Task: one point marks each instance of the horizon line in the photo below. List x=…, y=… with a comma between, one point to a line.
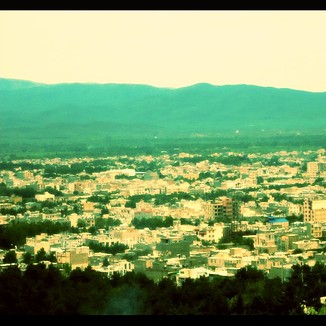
x=151, y=85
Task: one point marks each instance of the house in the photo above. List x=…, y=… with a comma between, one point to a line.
x=278, y=222
x=45, y=197
x=193, y=273
x=76, y=257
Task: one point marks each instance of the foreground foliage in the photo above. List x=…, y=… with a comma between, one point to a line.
x=42, y=290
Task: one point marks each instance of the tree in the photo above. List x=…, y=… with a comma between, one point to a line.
x=249, y=274
x=319, y=181
x=41, y=255
x=51, y=257
x=10, y=257
x=11, y=288
x=297, y=251
x=106, y=262
x=81, y=223
x=27, y=258
x=260, y=180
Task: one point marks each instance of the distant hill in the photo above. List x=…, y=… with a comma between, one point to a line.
x=10, y=84
x=100, y=112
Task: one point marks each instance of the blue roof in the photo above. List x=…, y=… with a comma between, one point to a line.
x=273, y=219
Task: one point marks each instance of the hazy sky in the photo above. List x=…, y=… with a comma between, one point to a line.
x=166, y=48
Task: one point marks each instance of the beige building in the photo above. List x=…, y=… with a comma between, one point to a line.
x=315, y=230
x=192, y=273
x=121, y=267
x=223, y=207
x=34, y=244
x=211, y=233
x=306, y=244
x=314, y=211
x=312, y=167
x=44, y=197
x=75, y=257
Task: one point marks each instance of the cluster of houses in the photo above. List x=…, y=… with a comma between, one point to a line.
x=182, y=250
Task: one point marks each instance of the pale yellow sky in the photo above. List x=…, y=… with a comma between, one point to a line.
x=166, y=48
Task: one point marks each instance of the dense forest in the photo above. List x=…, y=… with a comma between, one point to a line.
x=41, y=290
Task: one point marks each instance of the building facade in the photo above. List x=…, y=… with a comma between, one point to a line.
x=314, y=211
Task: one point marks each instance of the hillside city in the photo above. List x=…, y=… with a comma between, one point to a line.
x=174, y=215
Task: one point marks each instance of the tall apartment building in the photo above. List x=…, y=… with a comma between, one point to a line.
x=312, y=167
x=223, y=209
x=316, y=167
x=314, y=211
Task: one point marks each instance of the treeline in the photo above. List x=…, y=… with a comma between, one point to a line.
x=99, y=165
x=141, y=146
x=10, y=257
x=152, y=222
x=224, y=159
x=162, y=199
x=113, y=249
x=42, y=290
x=15, y=233
x=28, y=192
x=238, y=238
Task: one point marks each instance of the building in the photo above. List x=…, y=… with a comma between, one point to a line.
x=34, y=244
x=175, y=245
x=278, y=222
x=191, y=273
x=314, y=211
x=76, y=257
x=315, y=230
x=312, y=167
x=44, y=197
x=224, y=208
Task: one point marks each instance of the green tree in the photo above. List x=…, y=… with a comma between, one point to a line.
x=27, y=258
x=105, y=262
x=11, y=288
x=81, y=223
x=297, y=251
x=40, y=255
x=10, y=257
x=51, y=257
x=260, y=180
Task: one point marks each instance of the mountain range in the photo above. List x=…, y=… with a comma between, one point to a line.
x=95, y=113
